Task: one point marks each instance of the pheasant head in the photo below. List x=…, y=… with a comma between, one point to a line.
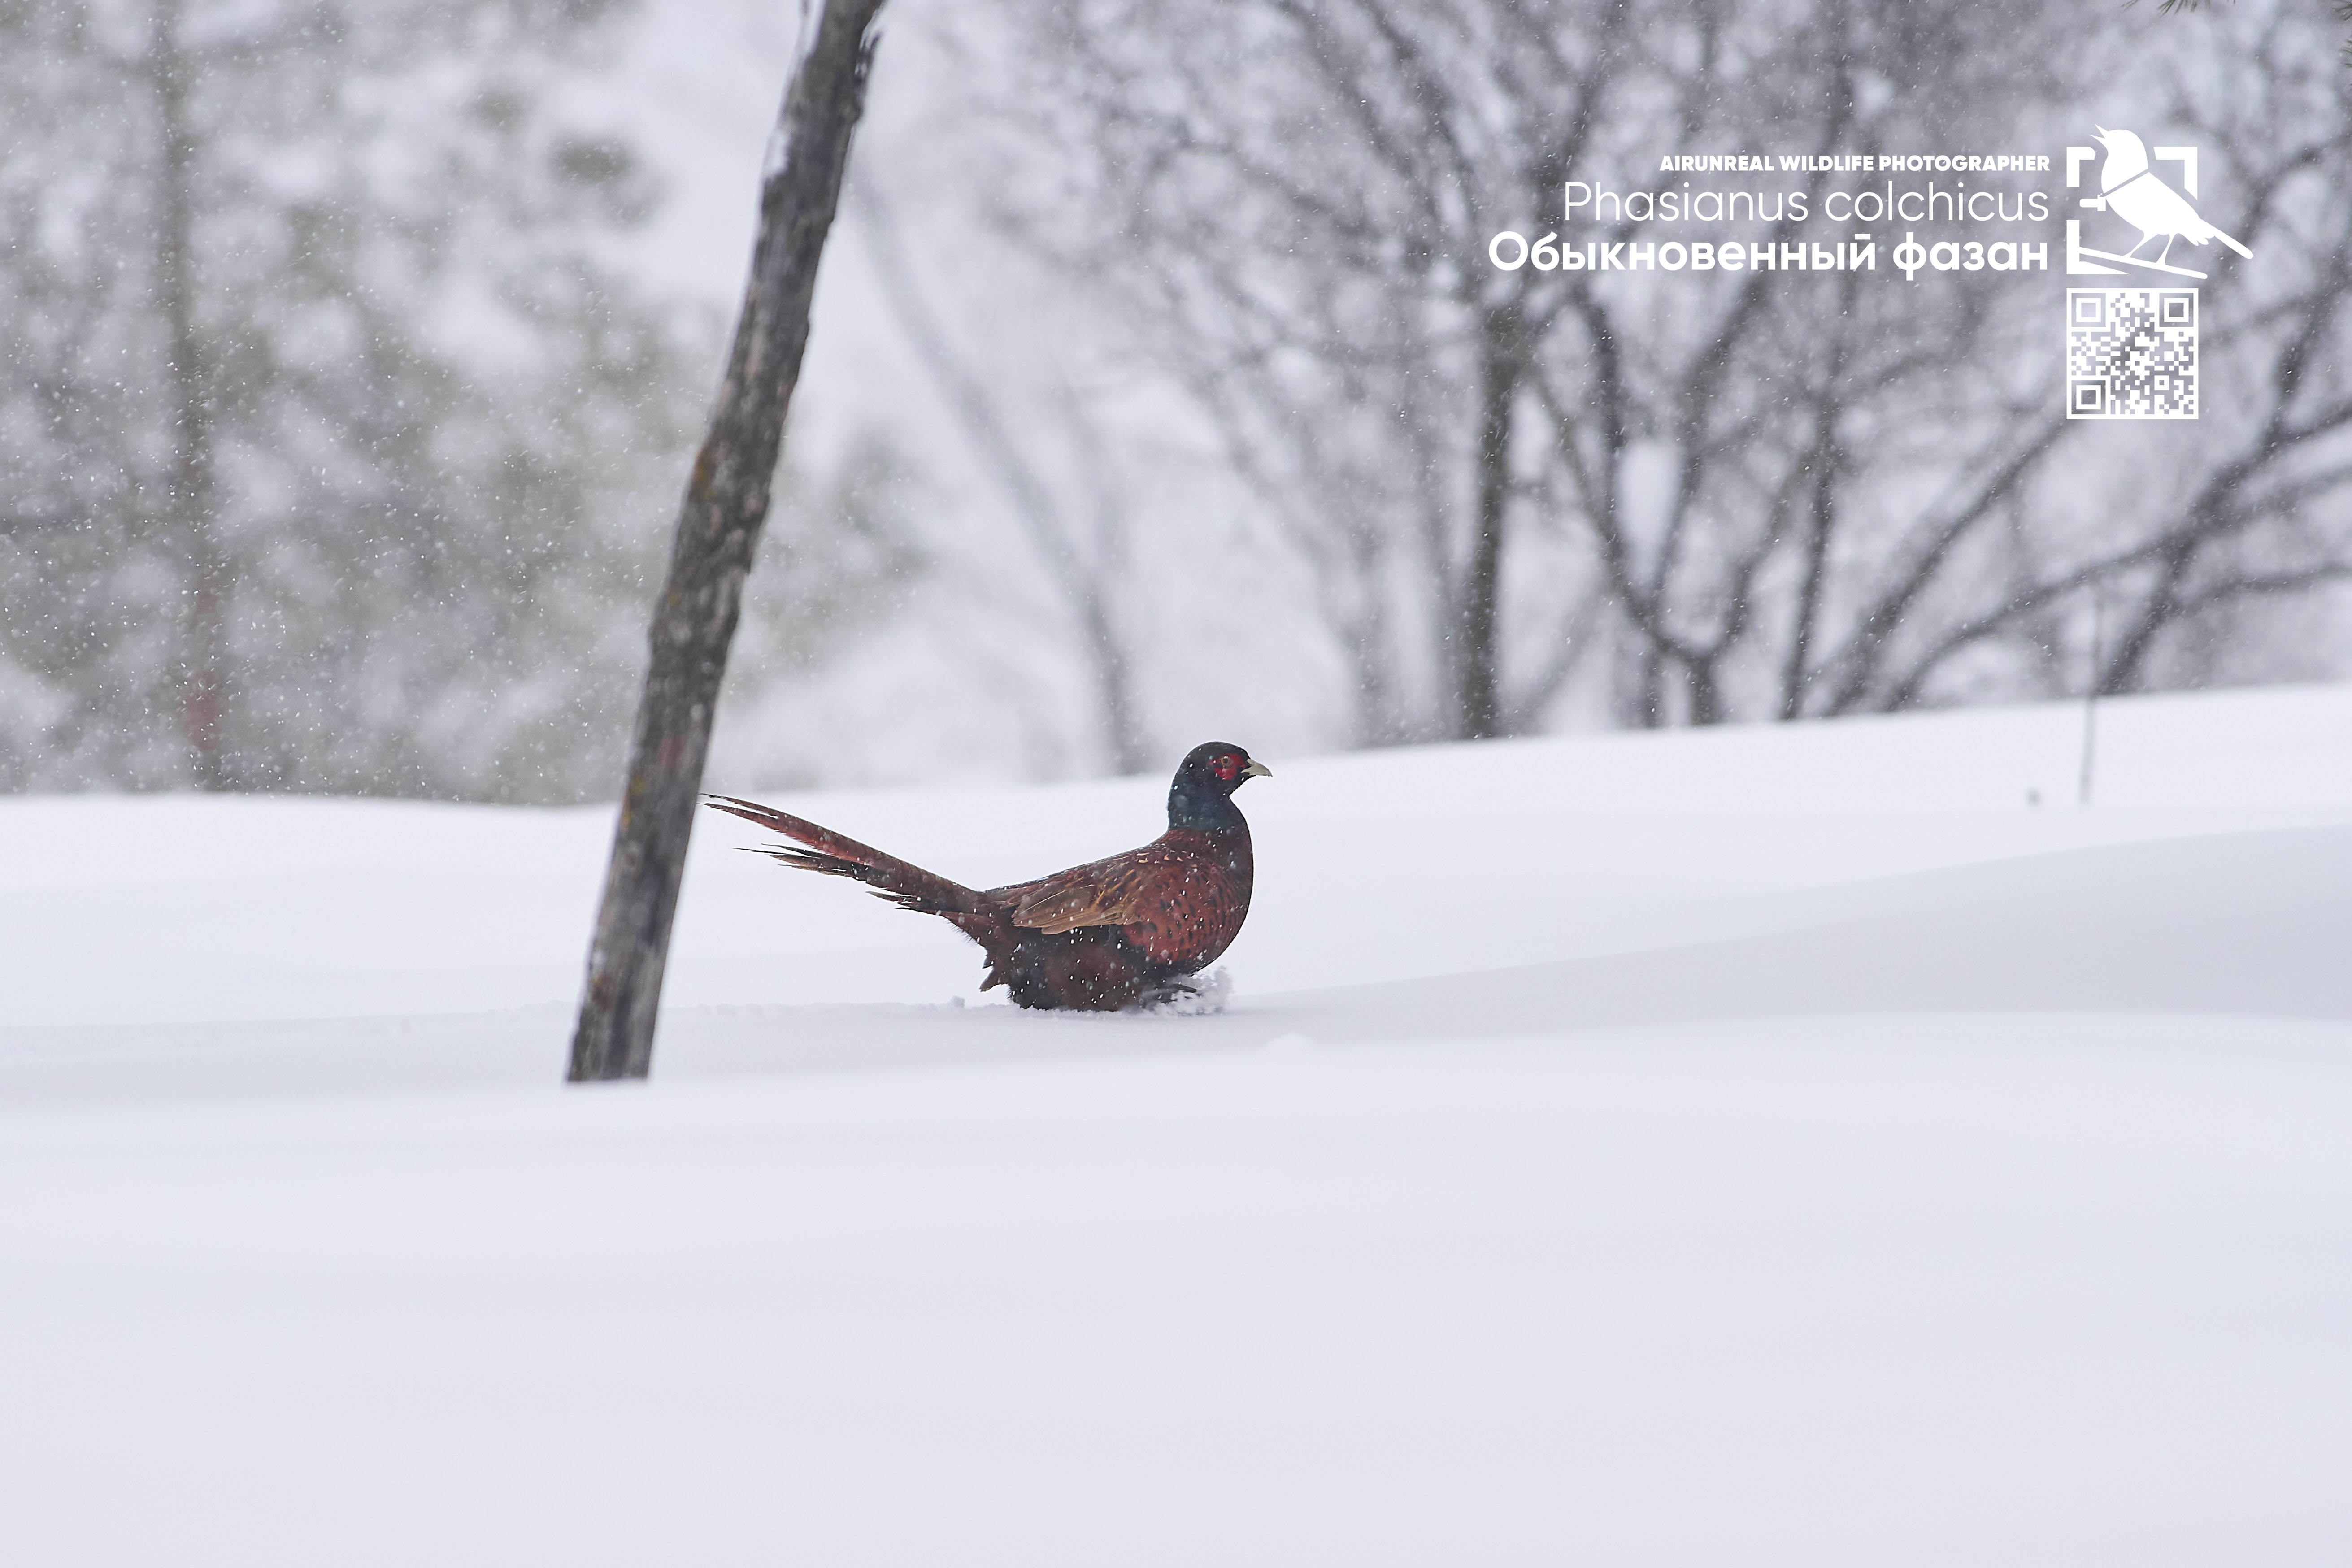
x=1202, y=797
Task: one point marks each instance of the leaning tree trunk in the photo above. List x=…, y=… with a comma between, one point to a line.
x=718, y=525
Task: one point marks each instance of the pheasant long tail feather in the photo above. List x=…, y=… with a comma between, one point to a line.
x=886, y=876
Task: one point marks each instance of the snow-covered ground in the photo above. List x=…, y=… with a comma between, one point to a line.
x=1764, y=1146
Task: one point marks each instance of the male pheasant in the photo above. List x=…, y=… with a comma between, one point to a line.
x=1099, y=936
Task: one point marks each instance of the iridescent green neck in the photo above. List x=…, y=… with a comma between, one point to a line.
x=1202, y=807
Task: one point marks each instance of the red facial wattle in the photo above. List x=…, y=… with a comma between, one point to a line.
x=1228, y=767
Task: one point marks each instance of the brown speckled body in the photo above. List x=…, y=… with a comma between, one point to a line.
x=1185, y=895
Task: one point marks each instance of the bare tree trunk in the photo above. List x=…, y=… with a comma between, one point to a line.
x=1796, y=669
x=718, y=525
x=1114, y=687
x=204, y=640
x=1478, y=705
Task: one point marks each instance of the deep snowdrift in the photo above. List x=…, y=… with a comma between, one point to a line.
x=1779, y=1145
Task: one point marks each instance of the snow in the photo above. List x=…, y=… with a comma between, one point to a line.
x=1781, y=1145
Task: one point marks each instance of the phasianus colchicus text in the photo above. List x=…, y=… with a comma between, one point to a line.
x=1098, y=936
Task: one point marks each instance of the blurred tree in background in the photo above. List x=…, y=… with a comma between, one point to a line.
x=1689, y=499
x=333, y=454
x=337, y=447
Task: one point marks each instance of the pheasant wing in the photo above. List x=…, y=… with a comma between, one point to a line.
x=1100, y=893
x=1163, y=898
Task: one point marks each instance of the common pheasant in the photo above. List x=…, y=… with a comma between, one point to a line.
x=1099, y=936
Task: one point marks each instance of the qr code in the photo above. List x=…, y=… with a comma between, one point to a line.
x=2131, y=353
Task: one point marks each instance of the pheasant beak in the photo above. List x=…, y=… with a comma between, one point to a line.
x=1257, y=770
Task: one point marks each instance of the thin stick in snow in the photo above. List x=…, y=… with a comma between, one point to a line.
x=2091, y=689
